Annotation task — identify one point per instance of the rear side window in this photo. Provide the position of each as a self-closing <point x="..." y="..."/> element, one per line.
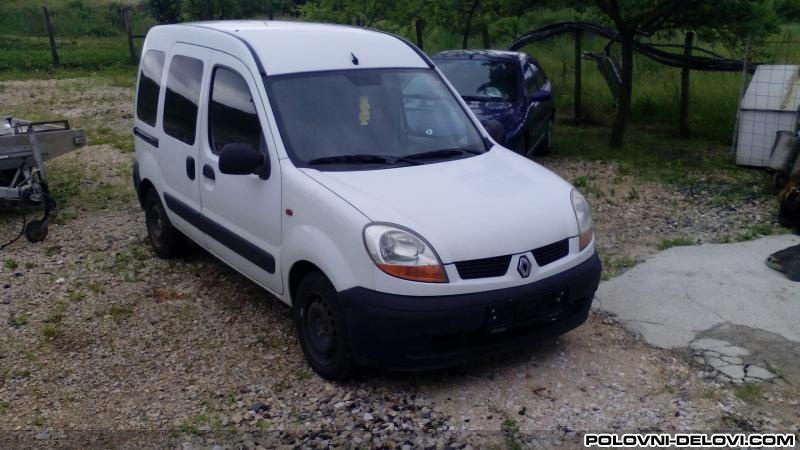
<point x="530" y="79"/>
<point x="181" y="98"/>
<point x="149" y="85"/>
<point x="232" y="114"/>
<point x="541" y="78"/>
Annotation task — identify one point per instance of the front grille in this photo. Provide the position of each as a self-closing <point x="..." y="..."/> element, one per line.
<point x="483" y="268"/>
<point x="551" y="252"/>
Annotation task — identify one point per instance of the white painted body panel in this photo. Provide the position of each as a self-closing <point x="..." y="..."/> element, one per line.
<point x="494" y="204"/>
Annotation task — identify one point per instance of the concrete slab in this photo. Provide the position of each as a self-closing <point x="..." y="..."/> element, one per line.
<point x="688" y="296"/>
<point x="682" y="291"/>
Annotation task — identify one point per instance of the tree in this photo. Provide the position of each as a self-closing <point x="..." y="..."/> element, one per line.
<point x="727" y="20"/>
<point x="165" y="11"/>
<point x="365" y="13"/>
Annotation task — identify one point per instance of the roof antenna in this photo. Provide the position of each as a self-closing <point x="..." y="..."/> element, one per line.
<point x="355" y="60"/>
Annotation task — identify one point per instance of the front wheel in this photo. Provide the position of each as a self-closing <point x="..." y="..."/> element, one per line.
<point x="321" y="328"/>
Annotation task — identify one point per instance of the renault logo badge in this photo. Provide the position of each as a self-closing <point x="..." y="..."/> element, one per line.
<point x="524" y="266"/>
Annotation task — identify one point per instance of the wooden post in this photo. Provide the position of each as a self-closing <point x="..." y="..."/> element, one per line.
<point x="51" y="35"/>
<point x="578" y="70"/>
<point x="126" y="21"/>
<point x="419" y="24"/>
<point x="487" y="40"/>
<point x="684" y="119"/>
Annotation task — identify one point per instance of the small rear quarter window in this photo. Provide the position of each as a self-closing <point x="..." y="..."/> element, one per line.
<point x="149" y="86"/>
<point x="181" y="98"/>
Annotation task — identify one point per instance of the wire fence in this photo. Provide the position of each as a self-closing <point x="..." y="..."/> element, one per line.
<point x="98" y="38"/>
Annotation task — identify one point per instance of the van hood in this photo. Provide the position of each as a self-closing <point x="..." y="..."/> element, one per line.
<point x="493" y="204"/>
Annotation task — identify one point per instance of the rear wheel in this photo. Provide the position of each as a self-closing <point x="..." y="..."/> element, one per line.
<point x="321" y="329"/>
<point x="165" y="239"/>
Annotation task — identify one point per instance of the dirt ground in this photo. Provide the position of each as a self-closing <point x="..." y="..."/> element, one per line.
<point x="100" y="337"/>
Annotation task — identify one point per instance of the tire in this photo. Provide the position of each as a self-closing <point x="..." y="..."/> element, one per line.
<point x="546" y="146"/>
<point x="165" y="239"/>
<point x="321" y="329"/>
<point x="35" y="231"/>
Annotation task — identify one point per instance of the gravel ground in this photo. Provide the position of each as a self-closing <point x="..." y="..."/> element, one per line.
<point x="102" y="343"/>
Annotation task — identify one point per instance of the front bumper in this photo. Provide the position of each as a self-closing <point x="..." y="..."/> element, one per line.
<point x="401" y="332"/>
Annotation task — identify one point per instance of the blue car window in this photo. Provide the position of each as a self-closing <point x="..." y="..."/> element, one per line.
<point x="482" y="80"/>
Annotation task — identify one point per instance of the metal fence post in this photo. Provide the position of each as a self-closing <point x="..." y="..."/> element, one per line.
<point x="684" y="114"/>
<point x="51" y="35"/>
<point x="578" y="70"/>
<point x="127" y="24"/>
<point x="741" y="96"/>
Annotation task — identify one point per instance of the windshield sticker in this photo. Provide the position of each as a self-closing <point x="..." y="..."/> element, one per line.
<point x="363" y="114"/>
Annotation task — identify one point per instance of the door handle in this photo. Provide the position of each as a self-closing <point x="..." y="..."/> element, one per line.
<point x="190" y="167"/>
<point x="208" y="172"/>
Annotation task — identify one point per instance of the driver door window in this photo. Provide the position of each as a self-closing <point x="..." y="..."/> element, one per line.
<point x="232" y="113"/>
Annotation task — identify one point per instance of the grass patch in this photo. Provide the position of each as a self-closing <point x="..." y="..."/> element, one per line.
<point x="10" y="264"/>
<point x="74" y="184"/>
<point x="76" y="296"/>
<point x="109" y="136"/>
<point x="700" y="166"/>
<point x="675" y="242"/>
<point x="130" y="262"/>
<point x="712" y="394"/>
<point x="754" y="231"/>
<point x="50" y="330"/>
<point x="56" y="314"/>
<point x="196" y="424"/>
<point x="20" y="374"/>
<point x="19" y="320"/>
<point x="4" y="406"/>
<point x="613" y="266"/>
<point x="510" y="430"/>
<point x="748" y="392"/>
<point x="119" y="313"/>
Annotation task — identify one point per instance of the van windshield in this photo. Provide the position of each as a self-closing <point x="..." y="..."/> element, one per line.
<point x="370" y="118"/>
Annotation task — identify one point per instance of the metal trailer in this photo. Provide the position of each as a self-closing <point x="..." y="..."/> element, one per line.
<point x="24" y="148"/>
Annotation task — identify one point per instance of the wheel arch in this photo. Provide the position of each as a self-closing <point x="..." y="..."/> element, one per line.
<point x="299" y="270"/>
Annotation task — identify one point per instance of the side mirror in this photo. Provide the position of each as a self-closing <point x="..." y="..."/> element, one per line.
<point x="243" y="159"/>
<point x="496" y="130"/>
<point x="541" y="96"/>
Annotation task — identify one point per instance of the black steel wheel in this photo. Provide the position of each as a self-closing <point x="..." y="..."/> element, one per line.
<point x="166" y="241"/>
<point x="321" y="328"/>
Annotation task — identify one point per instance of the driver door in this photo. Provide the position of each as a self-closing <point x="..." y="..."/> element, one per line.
<point x="242" y="212"/>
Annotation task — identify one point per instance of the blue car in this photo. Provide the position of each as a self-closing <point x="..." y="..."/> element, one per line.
<point x="508" y="91"/>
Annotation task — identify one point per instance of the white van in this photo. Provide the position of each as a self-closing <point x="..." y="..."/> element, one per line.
<point x="337" y="168"/>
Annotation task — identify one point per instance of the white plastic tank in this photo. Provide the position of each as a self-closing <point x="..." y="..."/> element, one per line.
<point x="770" y="104"/>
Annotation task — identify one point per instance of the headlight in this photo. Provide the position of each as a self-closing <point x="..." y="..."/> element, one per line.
<point x="402" y="253"/>
<point x="584" y="217"/>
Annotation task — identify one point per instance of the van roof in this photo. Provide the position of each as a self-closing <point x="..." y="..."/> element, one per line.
<point x="293" y="47"/>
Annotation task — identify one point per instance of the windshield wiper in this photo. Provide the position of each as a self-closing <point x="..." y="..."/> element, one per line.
<point x="362" y="158"/>
<point x="443" y="153"/>
<point x="351" y="159"/>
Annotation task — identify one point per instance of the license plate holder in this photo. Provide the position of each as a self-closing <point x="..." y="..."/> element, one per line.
<point x="524" y="311"/>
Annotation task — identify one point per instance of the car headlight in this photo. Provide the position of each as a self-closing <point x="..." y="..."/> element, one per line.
<point x="584" y="217"/>
<point x="402" y="253"/>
